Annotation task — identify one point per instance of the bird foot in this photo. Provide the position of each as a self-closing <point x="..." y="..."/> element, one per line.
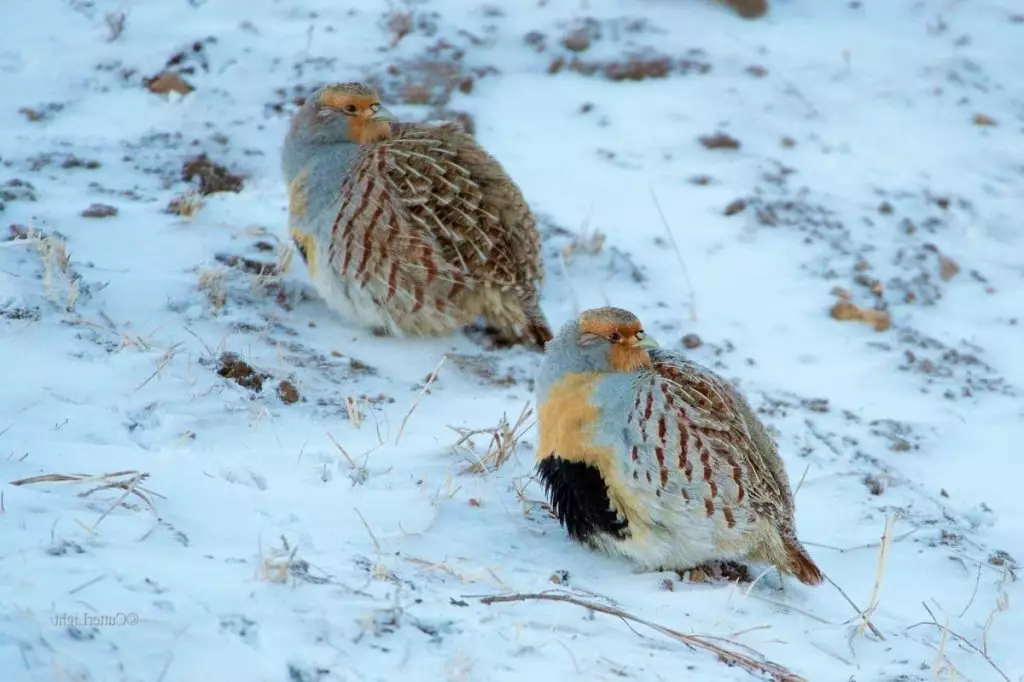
<point x="716" y="572"/>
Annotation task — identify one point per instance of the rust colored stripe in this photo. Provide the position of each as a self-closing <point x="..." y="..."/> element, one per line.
<point x="648" y="474"/>
<point x="458" y="284"/>
<point x="730" y="520"/>
<point x="427" y="258"/>
<point x="662" y="429"/>
<point x="660" y="453"/>
<point x="392" y="279"/>
<point x="714" y="488"/>
<point x="417" y="296"/>
<point x="636" y="453"/>
<point x="709" y="507"/>
<point x="650" y="406"/>
<point x="364" y="201"/>
<point x="361" y="270"/>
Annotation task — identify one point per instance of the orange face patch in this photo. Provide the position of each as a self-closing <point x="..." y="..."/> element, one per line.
<point x="625" y="355"/>
<point x="340" y="100"/>
<point x="362" y="128"/>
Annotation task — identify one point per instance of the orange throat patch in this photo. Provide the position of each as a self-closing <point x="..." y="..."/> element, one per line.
<point x="624" y="358"/>
<point x="368" y="131"/>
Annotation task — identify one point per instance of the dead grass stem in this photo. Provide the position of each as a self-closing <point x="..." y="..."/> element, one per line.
<point x="883" y="555"/>
<point x="426" y="387"/>
<point x="679" y="255"/>
<point x="732" y="653"/>
<point x="504" y="439"/>
<point x="127" y="480"/>
<point x="947" y="632"/>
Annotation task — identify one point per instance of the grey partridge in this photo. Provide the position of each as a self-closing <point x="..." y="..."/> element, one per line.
<point x="650" y="456"/>
<point x="409" y="229"/>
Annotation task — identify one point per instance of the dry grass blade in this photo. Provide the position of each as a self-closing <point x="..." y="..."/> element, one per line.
<point x="947" y="632"/>
<point x="883" y="554"/>
<point x="426" y="387"/>
<point x="127" y="480"/>
<point x="679" y="256"/>
<point x="504" y="439"/>
<point x="753" y="662"/>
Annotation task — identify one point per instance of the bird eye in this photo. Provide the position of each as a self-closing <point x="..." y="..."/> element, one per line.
<point x="640" y="335"/>
<point x="375" y="107"/>
<point x="615" y="337"/>
<point x="350" y="108"/>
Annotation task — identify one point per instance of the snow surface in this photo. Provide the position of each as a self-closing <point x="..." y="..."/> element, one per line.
<point x="272" y="557"/>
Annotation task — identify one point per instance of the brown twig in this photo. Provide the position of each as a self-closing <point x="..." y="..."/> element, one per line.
<point x="856" y="608"/>
<point x="728" y="656"/>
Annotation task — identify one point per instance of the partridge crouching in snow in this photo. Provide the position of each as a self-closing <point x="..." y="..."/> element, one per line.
<point x="650" y="456"/>
<point x="409" y="229"/>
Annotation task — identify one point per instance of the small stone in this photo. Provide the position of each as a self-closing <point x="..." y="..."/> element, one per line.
<point x="691" y="341"/>
<point x="287" y="392"/>
<point x="99" y="211"/>
<point x="168" y="81"/>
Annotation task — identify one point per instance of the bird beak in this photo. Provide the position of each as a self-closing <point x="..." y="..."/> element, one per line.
<point x="648" y="343"/>
<point x="382" y="114"/>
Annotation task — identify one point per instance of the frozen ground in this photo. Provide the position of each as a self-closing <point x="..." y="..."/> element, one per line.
<point x="881" y="153"/>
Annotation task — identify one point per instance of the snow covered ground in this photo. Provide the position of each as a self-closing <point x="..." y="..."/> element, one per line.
<point x="880" y="161"/>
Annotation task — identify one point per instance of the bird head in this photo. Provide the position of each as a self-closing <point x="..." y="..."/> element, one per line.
<point x="614" y="340"/>
<point x="344" y="112"/>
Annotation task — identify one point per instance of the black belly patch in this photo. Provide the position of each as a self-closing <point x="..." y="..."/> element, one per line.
<point x="579" y="497"/>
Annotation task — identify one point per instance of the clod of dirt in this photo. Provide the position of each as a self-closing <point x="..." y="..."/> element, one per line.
<point x="748" y="9"/>
<point x="719" y="140"/>
<point x="99" y="211"/>
<point x="787" y="142"/>
<point x="757" y="71"/>
<point x="230" y="366"/>
<point x="984" y="120"/>
<point x="16" y="190"/>
<point x="701" y="180"/>
<point x="40" y="113"/>
<point x="578" y="40"/>
<point x="845" y="310"/>
<point x="249" y="265"/>
<point x="692" y="341"/>
<point x="875" y="485"/>
<point x="635" y="67"/>
<point x="168" y="81"/>
<point x="287" y="392"/>
<point x="667" y="585"/>
<point x="735" y="206"/>
<point x="73" y="161"/>
<point x="212" y="176"/>
<point x="948" y="268"/>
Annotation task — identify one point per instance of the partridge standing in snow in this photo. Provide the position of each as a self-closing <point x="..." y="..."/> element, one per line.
<point x="648" y="455"/>
<point x="409" y="229"/>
